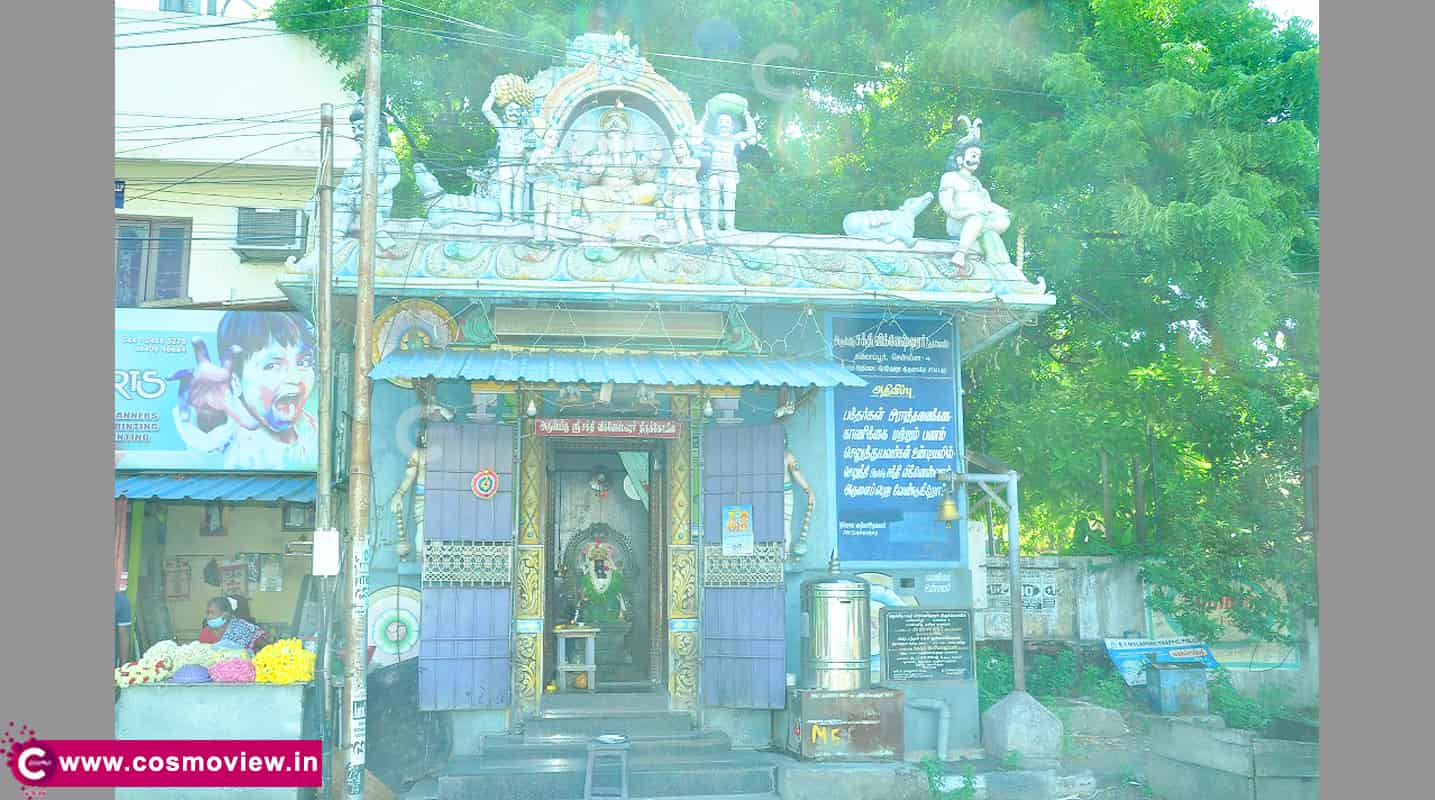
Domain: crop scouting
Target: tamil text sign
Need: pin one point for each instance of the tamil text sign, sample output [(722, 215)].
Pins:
[(894, 438), (617, 428)]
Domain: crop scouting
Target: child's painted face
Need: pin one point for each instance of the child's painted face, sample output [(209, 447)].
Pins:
[(275, 384)]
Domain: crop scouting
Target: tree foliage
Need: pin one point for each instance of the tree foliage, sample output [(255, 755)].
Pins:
[(1161, 155)]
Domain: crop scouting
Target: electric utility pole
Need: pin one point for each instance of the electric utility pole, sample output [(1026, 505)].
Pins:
[(324, 499), (360, 472)]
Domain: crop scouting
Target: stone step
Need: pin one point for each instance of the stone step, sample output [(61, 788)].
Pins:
[(704, 744), (584, 726), (648, 777)]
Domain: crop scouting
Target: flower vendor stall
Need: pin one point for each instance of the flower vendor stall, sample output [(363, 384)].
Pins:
[(201, 691)]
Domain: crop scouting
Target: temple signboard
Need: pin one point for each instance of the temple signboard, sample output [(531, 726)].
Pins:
[(608, 428)]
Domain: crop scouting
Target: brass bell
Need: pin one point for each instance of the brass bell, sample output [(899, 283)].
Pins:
[(948, 512)]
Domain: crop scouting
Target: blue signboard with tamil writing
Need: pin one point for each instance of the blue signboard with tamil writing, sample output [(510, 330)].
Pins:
[(214, 390), (894, 437)]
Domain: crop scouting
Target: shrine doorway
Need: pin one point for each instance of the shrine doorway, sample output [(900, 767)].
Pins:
[(606, 500)]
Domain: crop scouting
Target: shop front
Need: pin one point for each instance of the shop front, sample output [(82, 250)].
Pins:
[(215, 494)]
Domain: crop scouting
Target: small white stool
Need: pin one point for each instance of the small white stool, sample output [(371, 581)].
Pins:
[(612, 750), (589, 665)]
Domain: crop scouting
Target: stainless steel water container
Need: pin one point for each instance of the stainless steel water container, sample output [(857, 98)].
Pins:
[(836, 632)]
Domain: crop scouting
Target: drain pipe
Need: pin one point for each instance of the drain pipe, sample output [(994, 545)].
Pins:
[(944, 721)]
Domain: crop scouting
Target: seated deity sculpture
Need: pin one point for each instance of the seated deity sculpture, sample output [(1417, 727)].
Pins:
[(619, 182)]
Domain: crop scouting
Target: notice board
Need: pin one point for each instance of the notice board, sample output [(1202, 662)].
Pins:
[(927, 644)]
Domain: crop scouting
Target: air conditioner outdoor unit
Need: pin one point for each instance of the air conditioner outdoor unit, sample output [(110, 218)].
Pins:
[(270, 234)]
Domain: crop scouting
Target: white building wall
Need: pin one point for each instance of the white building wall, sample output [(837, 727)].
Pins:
[(242, 95)]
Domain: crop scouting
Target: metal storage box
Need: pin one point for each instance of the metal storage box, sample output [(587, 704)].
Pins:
[(836, 633), (1177, 689)]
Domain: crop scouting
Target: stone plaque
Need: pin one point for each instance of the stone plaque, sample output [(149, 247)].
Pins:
[(922, 644)]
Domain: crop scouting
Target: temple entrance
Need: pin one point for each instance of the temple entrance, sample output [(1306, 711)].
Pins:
[(604, 543)]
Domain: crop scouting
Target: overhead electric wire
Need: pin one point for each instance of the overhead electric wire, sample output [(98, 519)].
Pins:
[(226, 164), (217, 39), (181, 24)]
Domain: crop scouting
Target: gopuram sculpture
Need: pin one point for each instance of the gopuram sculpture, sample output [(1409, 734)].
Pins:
[(607, 173), (552, 196), (512, 93), (350, 189), (620, 189), (684, 196), (972, 218), (719, 135)]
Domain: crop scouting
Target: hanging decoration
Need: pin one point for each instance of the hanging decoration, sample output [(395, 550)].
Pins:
[(485, 484)]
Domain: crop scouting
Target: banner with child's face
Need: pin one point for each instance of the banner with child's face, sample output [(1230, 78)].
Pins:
[(215, 391)]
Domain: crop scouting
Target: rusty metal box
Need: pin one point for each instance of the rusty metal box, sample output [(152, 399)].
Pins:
[(859, 725)]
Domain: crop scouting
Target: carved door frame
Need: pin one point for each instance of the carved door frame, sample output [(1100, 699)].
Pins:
[(656, 563)]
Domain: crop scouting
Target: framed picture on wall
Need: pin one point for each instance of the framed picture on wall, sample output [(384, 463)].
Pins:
[(298, 517), (212, 523)]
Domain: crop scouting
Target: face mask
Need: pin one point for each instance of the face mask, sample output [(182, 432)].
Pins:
[(216, 622)]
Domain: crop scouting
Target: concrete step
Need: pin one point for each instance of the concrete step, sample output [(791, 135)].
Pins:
[(648, 777), (584, 726), (693, 745), (604, 702)]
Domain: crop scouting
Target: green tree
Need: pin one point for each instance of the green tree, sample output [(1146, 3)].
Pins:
[(1161, 155)]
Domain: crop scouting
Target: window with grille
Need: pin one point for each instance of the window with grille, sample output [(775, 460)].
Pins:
[(151, 260)]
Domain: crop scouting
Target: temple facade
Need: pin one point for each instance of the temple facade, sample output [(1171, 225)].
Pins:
[(598, 404)]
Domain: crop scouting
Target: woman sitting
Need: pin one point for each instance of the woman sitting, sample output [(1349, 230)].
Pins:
[(227, 624)]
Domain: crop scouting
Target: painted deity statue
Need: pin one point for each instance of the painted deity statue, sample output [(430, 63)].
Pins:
[(972, 218), (350, 189), (600, 586), (619, 179), (720, 136), (552, 198), (792, 474), (684, 195), (415, 476), (513, 94)]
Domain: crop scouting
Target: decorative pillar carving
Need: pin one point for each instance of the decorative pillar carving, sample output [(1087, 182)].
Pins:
[(683, 624), (528, 599)]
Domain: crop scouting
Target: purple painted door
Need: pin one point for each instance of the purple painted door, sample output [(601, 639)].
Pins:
[(458, 452), (464, 633), (742, 626)]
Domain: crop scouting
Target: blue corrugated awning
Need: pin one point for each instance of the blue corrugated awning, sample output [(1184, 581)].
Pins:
[(229, 488), (653, 369)]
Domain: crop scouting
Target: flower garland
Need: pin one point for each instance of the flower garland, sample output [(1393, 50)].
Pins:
[(196, 653), (232, 670), (285, 661), (155, 666)]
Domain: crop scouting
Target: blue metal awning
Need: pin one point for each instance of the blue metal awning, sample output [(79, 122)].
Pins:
[(229, 488), (653, 369)]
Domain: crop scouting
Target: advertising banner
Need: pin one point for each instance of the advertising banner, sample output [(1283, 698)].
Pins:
[(1131, 655), (894, 437), (215, 391)]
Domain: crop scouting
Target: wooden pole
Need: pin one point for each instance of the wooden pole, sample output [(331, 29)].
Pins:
[(324, 316), (360, 472)]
